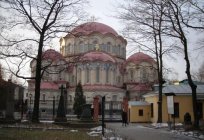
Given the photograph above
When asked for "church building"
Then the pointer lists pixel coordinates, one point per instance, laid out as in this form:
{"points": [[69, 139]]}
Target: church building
{"points": [[93, 54]]}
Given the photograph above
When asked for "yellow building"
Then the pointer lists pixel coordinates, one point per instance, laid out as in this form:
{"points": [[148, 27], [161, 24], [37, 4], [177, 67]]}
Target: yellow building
{"points": [[182, 104], [139, 111]]}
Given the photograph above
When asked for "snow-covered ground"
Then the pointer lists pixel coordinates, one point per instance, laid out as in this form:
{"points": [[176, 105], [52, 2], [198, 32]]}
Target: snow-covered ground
{"points": [[109, 134], [180, 131]]}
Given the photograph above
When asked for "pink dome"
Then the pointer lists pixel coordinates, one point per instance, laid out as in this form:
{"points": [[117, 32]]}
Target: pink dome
{"points": [[140, 57], [97, 56], [90, 27], [52, 54]]}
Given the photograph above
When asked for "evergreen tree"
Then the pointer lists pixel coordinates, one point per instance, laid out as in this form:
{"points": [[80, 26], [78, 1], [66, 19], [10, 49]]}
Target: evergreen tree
{"points": [[79, 100]]}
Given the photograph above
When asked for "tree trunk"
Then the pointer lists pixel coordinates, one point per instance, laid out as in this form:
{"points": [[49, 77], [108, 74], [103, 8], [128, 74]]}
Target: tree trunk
{"points": [[35, 116], [192, 85]]}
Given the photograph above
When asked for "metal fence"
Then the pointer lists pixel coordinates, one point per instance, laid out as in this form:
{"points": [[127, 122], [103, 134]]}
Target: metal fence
{"points": [[48, 109]]}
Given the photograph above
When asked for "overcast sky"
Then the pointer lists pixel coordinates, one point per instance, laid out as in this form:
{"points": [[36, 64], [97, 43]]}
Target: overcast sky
{"points": [[104, 12]]}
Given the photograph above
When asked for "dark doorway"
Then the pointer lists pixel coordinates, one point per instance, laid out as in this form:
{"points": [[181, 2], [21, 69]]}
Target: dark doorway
{"points": [[200, 110]]}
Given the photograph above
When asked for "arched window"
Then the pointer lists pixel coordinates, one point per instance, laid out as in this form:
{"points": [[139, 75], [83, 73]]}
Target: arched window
{"points": [[109, 47], [119, 50], [114, 98], [87, 75], [43, 98], [131, 74], [67, 49], [97, 74], [70, 98], [123, 52], [94, 44], [107, 75], [81, 47], [80, 75], [144, 75]]}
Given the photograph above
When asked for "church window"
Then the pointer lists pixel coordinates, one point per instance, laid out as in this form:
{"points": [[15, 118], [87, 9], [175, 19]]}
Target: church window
{"points": [[80, 74], [97, 74], [114, 98], [109, 47], [67, 49], [119, 50], [123, 51], [72, 78], [81, 47], [131, 74], [144, 75], [107, 74], [118, 79], [87, 75], [43, 98], [70, 98], [85, 47]]}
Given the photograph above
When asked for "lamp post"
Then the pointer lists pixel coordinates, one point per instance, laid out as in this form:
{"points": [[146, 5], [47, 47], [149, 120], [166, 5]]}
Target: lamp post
{"points": [[170, 107], [53, 113], [103, 113], [30, 100]]}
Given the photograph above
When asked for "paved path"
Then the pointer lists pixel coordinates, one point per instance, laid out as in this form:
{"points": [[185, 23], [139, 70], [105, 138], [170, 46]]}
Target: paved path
{"points": [[139, 132]]}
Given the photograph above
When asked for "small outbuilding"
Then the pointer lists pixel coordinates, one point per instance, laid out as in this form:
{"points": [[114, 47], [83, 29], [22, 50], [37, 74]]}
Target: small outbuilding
{"points": [[139, 111]]}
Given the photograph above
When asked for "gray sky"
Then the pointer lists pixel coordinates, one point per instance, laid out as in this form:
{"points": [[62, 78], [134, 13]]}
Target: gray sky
{"points": [[104, 12]]}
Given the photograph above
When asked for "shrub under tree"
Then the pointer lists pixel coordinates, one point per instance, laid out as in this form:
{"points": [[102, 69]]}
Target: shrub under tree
{"points": [[79, 100]]}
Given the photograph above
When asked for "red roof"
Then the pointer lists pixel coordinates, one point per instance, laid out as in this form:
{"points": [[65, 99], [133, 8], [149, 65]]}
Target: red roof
{"points": [[100, 87], [49, 85], [140, 57], [141, 87], [98, 56], [90, 27], [52, 54]]}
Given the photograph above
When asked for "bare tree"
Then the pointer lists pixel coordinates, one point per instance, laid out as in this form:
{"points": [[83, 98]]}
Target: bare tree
{"points": [[144, 20], [199, 75], [29, 26], [1, 72], [177, 30]]}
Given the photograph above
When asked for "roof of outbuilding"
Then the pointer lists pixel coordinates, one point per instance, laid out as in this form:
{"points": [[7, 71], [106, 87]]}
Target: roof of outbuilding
{"points": [[181, 89], [138, 103]]}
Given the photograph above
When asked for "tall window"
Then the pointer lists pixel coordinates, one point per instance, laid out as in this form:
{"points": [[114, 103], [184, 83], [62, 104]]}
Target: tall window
{"points": [[119, 50], [70, 98], [87, 75], [107, 74], [123, 52], [80, 75], [97, 74], [144, 74], [131, 74], [67, 49], [114, 98], [43, 97], [109, 47], [81, 47]]}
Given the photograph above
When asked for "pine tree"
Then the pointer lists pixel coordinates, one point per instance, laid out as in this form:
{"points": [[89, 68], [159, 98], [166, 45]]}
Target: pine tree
{"points": [[79, 100]]}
